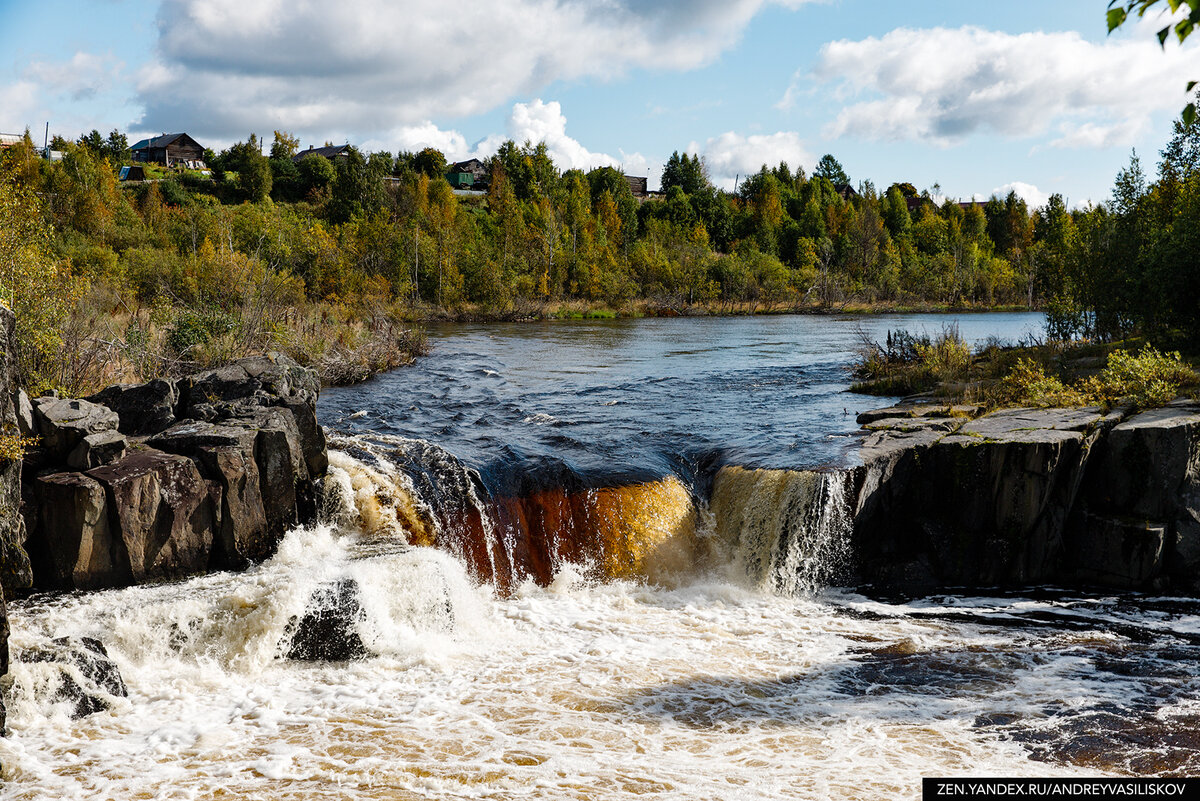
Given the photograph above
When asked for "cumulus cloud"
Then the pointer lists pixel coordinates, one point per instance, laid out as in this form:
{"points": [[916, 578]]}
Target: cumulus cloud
{"points": [[361, 67], [732, 154], [536, 121], [941, 85], [1032, 196]]}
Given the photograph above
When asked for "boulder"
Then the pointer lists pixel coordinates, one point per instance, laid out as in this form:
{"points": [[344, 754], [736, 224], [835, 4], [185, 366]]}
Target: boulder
{"points": [[191, 436], [327, 631], [312, 436], [26, 423], [256, 381], [63, 422], [278, 468], [85, 675], [98, 449], [141, 408], [163, 510], [78, 547]]}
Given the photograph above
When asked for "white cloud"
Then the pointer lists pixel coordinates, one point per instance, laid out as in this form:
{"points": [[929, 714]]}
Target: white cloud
{"points": [[534, 122], [83, 92], [732, 154], [942, 85], [18, 101], [1032, 196], [1099, 135], [84, 76], [363, 67]]}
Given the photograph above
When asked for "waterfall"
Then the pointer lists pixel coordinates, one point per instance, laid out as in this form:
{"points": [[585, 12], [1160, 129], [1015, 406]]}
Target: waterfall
{"points": [[786, 530], [789, 530], [414, 492]]}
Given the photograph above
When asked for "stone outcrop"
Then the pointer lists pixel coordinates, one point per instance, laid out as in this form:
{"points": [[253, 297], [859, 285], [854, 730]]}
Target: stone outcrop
{"points": [[1029, 496], [169, 478], [16, 420]]}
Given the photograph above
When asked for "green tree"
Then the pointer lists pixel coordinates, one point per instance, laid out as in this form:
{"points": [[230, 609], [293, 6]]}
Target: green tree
{"points": [[831, 170], [317, 175], [686, 172], [284, 146], [431, 162], [116, 147], [252, 168]]}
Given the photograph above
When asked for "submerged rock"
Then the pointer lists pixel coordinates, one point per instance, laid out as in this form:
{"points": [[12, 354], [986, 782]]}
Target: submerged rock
{"points": [[86, 677], [327, 631]]}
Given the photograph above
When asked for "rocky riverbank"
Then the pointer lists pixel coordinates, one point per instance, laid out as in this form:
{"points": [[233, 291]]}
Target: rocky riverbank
{"points": [[1021, 497], [159, 480]]}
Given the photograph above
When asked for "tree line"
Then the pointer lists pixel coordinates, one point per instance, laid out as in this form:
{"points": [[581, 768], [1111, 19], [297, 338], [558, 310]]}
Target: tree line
{"points": [[371, 234]]}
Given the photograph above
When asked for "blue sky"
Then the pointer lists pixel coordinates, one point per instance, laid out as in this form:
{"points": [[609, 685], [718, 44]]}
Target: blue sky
{"points": [[970, 97]]}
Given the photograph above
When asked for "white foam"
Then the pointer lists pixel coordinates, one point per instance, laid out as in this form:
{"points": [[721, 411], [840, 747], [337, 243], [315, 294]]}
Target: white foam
{"points": [[717, 688]]}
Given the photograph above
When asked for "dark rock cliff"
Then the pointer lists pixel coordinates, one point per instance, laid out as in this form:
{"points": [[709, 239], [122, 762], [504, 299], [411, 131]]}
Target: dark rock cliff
{"points": [[15, 572], [1030, 496]]}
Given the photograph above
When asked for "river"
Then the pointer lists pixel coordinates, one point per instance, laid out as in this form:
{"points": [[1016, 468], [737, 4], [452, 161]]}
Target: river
{"points": [[588, 611]]}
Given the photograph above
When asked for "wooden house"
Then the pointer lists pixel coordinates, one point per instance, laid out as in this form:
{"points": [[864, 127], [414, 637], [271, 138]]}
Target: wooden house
{"points": [[846, 191], [330, 152], [169, 149], [639, 186], [469, 174]]}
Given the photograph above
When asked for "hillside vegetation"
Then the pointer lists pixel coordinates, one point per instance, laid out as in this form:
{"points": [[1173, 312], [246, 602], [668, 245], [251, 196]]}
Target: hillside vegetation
{"points": [[330, 261]]}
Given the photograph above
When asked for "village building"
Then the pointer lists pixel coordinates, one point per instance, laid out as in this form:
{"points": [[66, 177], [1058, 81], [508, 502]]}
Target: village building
{"points": [[330, 152], [846, 191], [469, 174], [638, 185], [169, 150]]}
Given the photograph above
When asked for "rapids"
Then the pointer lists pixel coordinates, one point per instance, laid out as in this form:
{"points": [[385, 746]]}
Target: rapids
{"points": [[560, 598]]}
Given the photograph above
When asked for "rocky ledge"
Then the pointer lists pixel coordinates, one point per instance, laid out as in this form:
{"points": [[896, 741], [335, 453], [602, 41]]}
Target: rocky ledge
{"points": [[169, 478], [1018, 497]]}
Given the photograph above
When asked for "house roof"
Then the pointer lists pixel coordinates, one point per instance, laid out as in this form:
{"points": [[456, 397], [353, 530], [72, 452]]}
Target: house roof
{"points": [[329, 151], [467, 166], [160, 141]]}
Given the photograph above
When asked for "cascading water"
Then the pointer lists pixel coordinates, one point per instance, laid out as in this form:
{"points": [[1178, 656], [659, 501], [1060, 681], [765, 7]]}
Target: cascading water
{"points": [[789, 529], [539, 608]]}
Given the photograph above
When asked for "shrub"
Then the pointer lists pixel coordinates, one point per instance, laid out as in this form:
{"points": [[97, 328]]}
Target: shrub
{"points": [[1143, 381], [195, 327], [1028, 384]]}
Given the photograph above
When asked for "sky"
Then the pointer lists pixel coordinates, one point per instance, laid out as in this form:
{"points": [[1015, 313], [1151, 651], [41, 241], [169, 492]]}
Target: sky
{"points": [[963, 98]]}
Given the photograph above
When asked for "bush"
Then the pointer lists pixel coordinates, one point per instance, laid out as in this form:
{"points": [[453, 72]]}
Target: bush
{"points": [[1143, 381], [196, 327], [1028, 385]]}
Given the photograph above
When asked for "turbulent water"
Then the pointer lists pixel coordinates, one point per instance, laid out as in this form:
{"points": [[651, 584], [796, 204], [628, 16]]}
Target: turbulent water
{"points": [[598, 604]]}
